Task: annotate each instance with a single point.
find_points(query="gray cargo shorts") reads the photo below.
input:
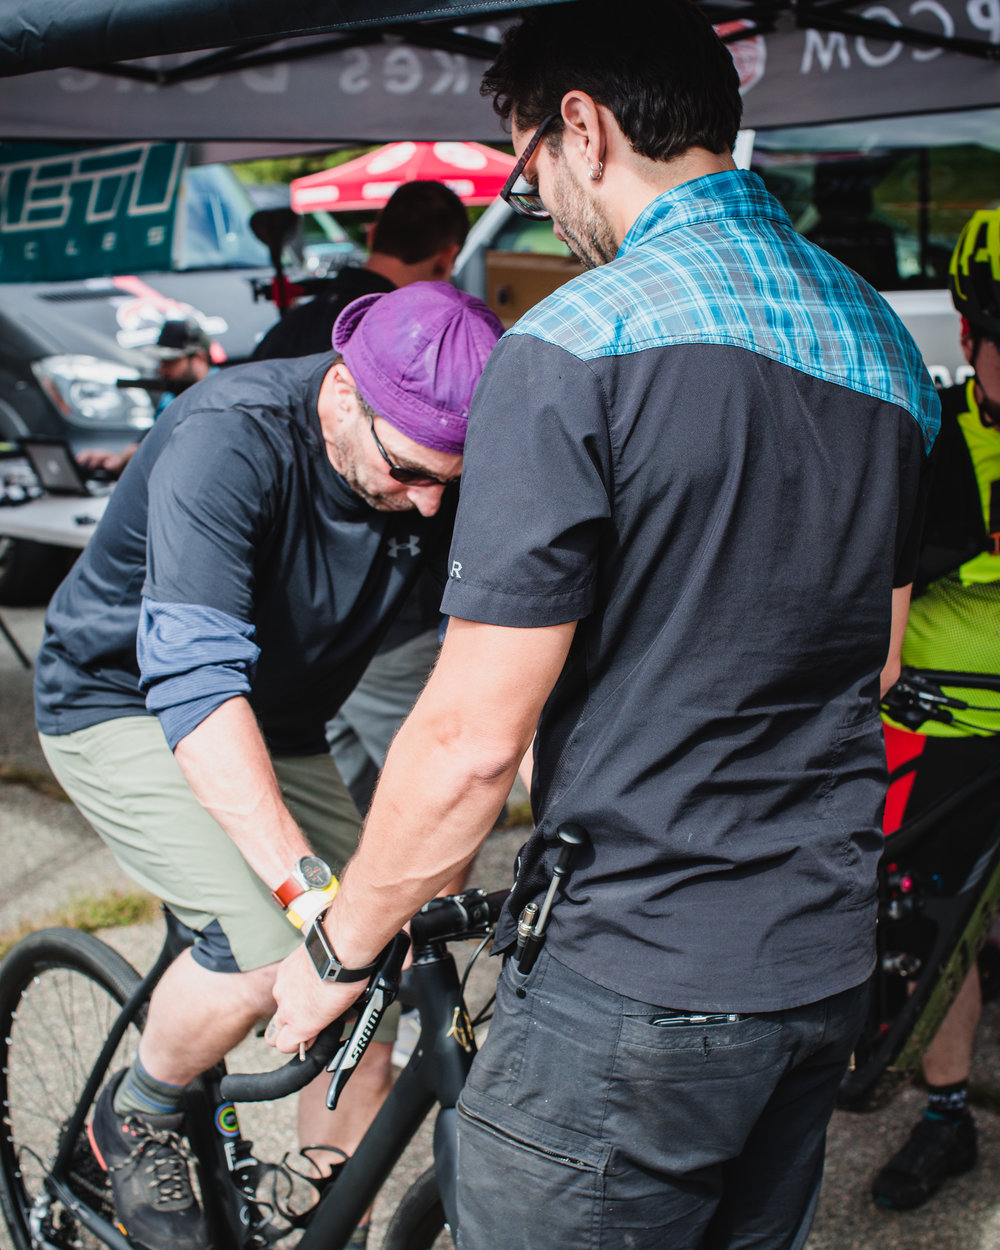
(123, 777)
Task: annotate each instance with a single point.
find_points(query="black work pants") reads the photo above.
(593, 1120)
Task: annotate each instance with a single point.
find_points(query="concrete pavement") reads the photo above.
(50, 854)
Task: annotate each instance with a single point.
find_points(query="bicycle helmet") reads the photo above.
(974, 272)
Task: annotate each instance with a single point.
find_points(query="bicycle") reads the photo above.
(938, 896)
(71, 1011)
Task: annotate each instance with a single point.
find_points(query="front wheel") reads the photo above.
(60, 993)
(418, 1222)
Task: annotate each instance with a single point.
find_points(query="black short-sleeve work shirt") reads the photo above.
(674, 452)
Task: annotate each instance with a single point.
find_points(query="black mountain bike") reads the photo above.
(71, 1010)
(939, 893)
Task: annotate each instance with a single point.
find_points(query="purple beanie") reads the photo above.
(416, 355)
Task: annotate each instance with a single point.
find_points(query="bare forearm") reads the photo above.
(226, 764)
(437, 800)
(450, 769)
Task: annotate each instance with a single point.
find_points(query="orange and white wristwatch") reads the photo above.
(308, 891)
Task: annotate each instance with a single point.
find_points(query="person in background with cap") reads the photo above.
(245, 571)
(184, 351)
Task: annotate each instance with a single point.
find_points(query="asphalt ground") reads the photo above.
(50, 857)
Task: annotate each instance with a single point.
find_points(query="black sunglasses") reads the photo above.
(526, 200)
(399, 472)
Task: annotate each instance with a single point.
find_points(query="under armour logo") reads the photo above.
(456, 571)
(412, 545)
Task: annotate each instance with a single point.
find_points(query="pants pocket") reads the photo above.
(692, 1093)
(514, 1188)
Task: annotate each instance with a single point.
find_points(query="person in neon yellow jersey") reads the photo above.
(954, 625)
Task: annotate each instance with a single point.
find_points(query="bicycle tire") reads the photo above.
(418, 1222)
(60, 991)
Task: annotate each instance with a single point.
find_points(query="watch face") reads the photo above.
(315, 873)
(317, 948)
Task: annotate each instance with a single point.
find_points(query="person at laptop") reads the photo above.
(56, 469)
(184, 352)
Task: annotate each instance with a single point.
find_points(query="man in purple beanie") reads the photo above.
(246, 569)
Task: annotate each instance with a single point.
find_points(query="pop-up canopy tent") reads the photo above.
(372, 71)
(473, 171)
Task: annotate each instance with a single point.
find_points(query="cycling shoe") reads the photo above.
(147, 1162)
(936, 1149)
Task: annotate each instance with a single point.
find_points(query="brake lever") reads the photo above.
(913, 700)
(371, 1006)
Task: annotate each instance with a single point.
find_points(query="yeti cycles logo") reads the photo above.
(71, 213)
(749, 54)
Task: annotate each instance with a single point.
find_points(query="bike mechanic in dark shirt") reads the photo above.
(688, 524)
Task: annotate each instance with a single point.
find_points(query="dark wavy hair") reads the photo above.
(658, 65)
(419, 219)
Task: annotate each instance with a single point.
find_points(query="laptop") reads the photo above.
(57, 469)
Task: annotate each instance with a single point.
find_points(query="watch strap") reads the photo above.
(289, 890)
(325, 960)
(303, 910)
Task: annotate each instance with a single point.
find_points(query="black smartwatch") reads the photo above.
(328, 966)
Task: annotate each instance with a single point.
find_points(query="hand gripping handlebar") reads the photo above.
(340, 1060)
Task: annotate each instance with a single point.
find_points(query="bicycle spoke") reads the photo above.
(33, 1063)
(37, 1057)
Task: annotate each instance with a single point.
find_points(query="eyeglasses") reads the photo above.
(525, 199)
(399, 472)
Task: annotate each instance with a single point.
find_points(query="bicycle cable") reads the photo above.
(487, 938)
(486, 1011)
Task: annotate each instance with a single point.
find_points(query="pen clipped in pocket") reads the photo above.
(681, 1020)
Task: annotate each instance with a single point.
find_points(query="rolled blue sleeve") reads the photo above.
(191, 660)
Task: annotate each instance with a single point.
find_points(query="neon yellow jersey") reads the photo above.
(955, 624)
(983, 442)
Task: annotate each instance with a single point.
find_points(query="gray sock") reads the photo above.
(143, 1094)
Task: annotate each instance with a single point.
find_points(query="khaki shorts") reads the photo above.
(123, 777)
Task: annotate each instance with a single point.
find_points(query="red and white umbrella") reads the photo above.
(473, 171)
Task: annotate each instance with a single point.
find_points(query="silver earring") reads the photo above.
(597, 171)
